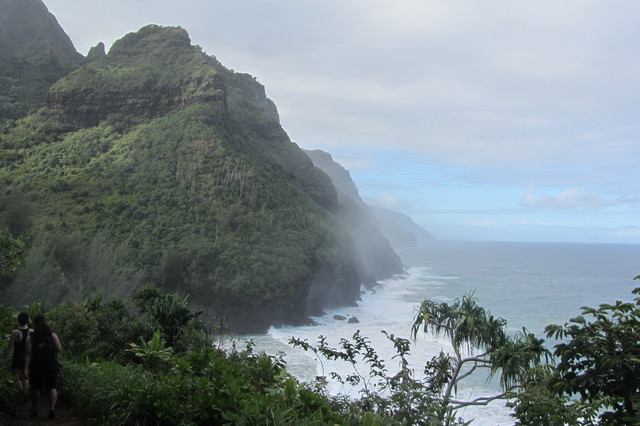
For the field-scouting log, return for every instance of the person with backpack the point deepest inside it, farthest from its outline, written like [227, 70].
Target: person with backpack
[17, 342]
[41, 363]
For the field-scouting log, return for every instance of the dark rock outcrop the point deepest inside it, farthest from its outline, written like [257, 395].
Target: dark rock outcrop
[96, 52]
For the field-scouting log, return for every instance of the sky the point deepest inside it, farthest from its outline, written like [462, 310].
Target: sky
[493, 120]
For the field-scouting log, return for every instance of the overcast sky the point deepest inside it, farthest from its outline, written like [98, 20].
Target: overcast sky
[482, 120]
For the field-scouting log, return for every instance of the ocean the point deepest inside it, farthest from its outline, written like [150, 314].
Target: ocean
[529, 284]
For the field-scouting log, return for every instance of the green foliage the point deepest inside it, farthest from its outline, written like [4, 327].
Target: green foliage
[34, 309]
[171, 312]
[599, 359]
[155, 355]
[12, 252]
[10, 394]
[536, 404]
[205, 387]
[98, 330]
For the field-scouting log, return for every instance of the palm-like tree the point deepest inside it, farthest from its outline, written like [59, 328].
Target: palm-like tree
[170, 311]
[478, 340]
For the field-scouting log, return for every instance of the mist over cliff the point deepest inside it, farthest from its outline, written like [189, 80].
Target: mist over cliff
[153, 162]
[397, 229]
[400, 229]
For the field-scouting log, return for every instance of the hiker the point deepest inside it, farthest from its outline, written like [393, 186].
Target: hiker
[41, 363]
[17, 342]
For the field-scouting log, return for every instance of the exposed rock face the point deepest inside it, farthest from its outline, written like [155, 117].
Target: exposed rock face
[340, 176]
[96, 52]
[146, 74]
[28, 31]
[34, 53]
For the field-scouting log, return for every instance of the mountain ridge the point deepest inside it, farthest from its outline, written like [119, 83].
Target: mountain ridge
[34, 53]
[153, 162]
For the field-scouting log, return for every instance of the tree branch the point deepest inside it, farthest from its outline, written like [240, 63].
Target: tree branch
[484, 400]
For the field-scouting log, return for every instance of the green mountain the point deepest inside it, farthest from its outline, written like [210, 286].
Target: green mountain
[34, 53]
[155, 163]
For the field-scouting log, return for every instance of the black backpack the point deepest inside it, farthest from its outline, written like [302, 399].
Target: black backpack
[44, 351]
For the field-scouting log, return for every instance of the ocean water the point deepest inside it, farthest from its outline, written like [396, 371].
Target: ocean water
[529, 284]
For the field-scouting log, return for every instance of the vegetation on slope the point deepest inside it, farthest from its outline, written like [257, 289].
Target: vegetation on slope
[154, 163]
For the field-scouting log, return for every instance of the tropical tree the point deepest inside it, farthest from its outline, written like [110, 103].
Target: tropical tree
[479, 341]
[599, 360]
[385, 398]
[170, 311]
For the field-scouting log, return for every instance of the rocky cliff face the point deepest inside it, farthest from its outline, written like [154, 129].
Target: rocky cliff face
[153, 162]
[34, 53]
[145, 75]
[28, 31]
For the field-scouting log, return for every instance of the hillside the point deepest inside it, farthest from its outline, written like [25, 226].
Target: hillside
[156, 163]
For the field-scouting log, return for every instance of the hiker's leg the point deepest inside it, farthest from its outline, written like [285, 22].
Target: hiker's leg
[53, 398]
[35, 396]
[24, 381]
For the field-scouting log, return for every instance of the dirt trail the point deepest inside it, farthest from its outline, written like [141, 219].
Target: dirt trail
[65, 415]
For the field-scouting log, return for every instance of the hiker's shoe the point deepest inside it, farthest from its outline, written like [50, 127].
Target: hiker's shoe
[52, 414]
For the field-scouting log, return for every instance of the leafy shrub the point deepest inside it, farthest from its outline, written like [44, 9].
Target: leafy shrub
[207, 386]
[96, 330]
[10, 393]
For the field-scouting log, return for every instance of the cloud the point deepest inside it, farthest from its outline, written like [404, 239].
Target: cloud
[574, 198]
[352, 164]
[627, 233]
[385, 200]
[485, 223]
[529, 223]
